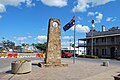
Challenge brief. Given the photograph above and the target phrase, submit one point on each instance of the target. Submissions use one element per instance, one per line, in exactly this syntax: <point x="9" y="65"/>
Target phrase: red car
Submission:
<point x="66" y="55"/>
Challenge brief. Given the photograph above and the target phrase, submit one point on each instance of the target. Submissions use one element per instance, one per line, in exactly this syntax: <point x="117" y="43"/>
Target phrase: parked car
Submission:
<point x="66" y="55"/>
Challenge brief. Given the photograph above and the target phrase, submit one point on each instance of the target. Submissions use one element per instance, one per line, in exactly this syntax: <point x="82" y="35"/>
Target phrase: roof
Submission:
<point x="84" y="39"/>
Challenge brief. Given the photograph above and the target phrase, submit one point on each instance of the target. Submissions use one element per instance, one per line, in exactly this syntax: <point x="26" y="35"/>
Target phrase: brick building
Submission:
<point x="105" y="43"/>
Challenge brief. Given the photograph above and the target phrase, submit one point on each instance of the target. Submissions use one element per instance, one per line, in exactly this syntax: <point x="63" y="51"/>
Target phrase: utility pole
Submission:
<point x="92" y="37"/>
<point x="70" y="45"/>
<point x="74" y="44"/>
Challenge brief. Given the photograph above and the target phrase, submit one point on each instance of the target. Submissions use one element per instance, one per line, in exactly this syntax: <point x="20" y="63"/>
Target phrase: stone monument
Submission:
<point x="53" y="50"/>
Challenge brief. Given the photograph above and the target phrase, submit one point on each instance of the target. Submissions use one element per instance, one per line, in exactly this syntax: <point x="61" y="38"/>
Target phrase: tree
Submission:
<point x="23" y="44"/>
<point x="33" y="44"/>
<point x="41" y="47"/>
<point x="18" y="48"/>
<point x="72" y="45"/>
<point x="8" y="44"/>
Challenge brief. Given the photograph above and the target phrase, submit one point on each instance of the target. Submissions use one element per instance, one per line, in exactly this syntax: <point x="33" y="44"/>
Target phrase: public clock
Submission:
<point x="55" y="24"/>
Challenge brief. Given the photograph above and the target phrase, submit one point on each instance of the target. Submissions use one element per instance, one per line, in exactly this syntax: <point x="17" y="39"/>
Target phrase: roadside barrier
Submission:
<point x="39" y="55"/>
<point x="3" y="55"/>
<point x="22" y="55"/>
<point x="26" y="55"/>
<point x="12" y="55"/>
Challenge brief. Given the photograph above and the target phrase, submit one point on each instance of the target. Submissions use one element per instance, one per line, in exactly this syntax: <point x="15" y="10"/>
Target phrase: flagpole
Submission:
<point x="66" y="27"/>
<point x="74" y="43"/>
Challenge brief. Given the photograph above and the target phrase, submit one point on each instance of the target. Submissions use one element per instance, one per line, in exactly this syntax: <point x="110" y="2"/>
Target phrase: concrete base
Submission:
<point x="20" y="68"/>
<point x="42" y="64"/>
<point x="106" y="63"/>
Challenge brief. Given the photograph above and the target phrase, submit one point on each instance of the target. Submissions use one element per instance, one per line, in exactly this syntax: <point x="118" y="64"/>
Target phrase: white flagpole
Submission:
<point x="74" y="43"/>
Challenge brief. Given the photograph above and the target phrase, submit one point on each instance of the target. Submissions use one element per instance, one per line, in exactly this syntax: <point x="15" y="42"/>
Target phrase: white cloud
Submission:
<point x="11" y="2"/>
<point x="21" y="38"/>
<point x="80" y="18"/>
<point x="14" y="37"/>
<point x="41" y="38"/>
<point x="29" y="3"/>
<point x="22" y="42"/>
<point x="56" y="3"/>
<point x="92" y="13"/>
<point x="0" y="16"/>
<point x="99" y="18"/>
<point x="111" y="19"/>
<point x="68" y="37"/>
<point x="15" y="3"/>
<point x="39" y="41"/>
<point x="2" y="8"/>
<point x="81" y="28"/>
<point x="100" y="2"/>
<point x="83" y="5"/>
<point x="65" y="43"/>
<point x="29" y="36"/>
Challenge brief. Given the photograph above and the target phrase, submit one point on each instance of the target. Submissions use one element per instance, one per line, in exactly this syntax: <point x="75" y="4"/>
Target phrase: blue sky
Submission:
<point x="26" y="21"/>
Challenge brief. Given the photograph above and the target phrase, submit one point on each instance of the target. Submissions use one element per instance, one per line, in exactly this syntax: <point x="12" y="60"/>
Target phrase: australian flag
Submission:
<point x="70" y="24"/>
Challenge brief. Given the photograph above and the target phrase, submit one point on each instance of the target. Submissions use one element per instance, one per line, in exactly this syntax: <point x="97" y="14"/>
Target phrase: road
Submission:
<point x="111" y="61"/>
<point x="6" y="62"/>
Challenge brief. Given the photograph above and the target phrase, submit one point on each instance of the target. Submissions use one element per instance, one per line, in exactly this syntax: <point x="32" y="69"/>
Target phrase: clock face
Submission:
<point x="55" y="24"/>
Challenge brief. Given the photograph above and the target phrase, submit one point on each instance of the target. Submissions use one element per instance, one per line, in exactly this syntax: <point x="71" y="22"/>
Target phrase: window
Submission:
<point x="88" y="41"/>
<point x="103" y="39"/>
<point x="97" y="52"/>
<point x="105" y="51"/>
<point x="88" y="52"/>
<point x="102" y="51"/>
<point x="96" y="40"/>
<point x="112" y="39"/>
<point x="93" y="51"/>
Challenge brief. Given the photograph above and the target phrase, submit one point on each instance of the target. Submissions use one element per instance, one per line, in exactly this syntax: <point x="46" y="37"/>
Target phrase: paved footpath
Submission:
<point x="81" y="70"/>
<point x="108" y="75"/>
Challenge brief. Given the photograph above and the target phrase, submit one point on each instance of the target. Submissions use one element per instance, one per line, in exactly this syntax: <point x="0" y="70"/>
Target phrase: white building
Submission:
<point x="70" y="49"/>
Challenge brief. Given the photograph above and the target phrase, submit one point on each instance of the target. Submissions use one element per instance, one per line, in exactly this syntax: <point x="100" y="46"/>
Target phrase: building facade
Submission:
<point x="105" y="43"/>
